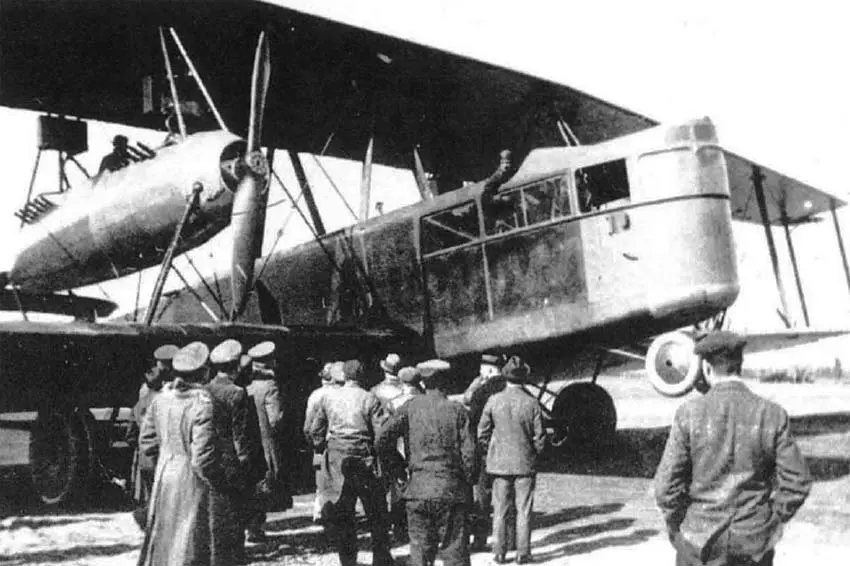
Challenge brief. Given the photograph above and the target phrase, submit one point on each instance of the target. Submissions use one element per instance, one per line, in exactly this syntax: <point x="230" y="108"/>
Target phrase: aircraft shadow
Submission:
<point x="636" y="453"/>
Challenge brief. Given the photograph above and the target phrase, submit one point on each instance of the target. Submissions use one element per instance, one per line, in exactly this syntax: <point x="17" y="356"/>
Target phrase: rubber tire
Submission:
<point x="60" y="455"/>
<point x="666" y="387"/>
<point x="584" y="413"/>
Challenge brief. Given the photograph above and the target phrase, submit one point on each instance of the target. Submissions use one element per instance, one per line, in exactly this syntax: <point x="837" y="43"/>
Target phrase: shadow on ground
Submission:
<point x="635" y="453"/>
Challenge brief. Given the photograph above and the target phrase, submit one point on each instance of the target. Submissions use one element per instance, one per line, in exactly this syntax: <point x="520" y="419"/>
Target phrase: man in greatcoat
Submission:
<point x="511" y="433"/>
<point x="266" y="404"/>
<point x="731" y="474"/>
<point x="345" y="426"/>
<point x="178" y="434"/>
<point x="142" y="468"/>
<point x="441" y="464"/>
<point x="238" y="449"/>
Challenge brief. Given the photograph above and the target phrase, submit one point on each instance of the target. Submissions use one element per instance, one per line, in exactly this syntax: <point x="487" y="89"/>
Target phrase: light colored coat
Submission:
<point x="511" y="432"/>
<point x="178" y="433"/>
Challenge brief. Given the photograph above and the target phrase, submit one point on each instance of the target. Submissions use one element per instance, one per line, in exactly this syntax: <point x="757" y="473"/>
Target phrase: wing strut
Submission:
<point x="307" y="191"/>
<point x="173" y="85"/>
<point x="366" y="181"/>
<point x="757" y="178"/>
<point x="198" y="80"/>
<point x="169" y="255"/>
<point x="832" y="207"/>
<point x="784" y="217"/>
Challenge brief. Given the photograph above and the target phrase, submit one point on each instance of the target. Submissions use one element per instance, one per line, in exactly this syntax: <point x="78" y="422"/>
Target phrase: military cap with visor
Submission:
<point x="191" y="357"/>
<point x="227" y="352"/>
<point x="263" y="351"/>
<point x="165" y="353"/>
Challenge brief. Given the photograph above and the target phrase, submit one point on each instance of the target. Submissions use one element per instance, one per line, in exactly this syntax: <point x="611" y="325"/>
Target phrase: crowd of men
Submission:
<point x="428" y="469"/>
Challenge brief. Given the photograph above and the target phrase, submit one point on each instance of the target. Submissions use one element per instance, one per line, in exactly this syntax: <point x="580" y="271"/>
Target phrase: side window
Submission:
<point x="547" y="200"/>
<point x="453" y="227"/>
<point x="503" y="212"/>
<point x="601" y="184"/>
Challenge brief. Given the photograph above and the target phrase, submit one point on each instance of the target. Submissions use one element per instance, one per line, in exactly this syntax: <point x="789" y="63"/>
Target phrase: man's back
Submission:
<point x="349" y="415"/>
<point x="511" y="427"/>
<point x="230" y="418"/>
<point x="439" y="446"/>
<point x="731" y="466"/>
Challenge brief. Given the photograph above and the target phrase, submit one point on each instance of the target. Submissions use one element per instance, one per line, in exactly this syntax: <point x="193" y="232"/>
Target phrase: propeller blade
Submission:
<point x="248" y="223"/>
<point x="259" y="88"/>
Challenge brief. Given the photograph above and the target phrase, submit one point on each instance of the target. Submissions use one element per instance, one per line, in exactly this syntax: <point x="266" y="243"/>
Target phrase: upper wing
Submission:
<point x="799" y="201"/>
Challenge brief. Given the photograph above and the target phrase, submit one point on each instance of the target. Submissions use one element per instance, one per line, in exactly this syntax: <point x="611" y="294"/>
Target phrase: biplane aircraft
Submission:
<point x="599" y="232"/>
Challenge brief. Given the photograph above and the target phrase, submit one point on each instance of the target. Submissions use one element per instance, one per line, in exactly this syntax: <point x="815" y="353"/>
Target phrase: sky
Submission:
<point x="772" y="76"/>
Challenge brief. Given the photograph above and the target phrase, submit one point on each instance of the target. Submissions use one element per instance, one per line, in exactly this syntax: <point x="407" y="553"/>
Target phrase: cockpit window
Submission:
<point x="544" y="200"/>
<point x="601" y="184"/>
<point x="449" y="228"/>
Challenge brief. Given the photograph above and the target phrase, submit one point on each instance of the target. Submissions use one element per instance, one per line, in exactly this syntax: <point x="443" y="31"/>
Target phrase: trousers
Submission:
<point x="513" y="494"/>
<point x="438" y="525"/>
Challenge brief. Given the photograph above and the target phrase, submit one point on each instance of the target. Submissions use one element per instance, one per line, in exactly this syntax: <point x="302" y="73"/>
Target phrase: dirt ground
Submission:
<point x="592" y="507"/>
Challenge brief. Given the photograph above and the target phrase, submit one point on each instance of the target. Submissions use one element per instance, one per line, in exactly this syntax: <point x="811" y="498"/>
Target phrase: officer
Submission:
<point x="344" y="427"/>
<point x="239" y="451"/>
<point x="488" y="382"/>
<point x="264" y="392"/>
<point x="313" y="402"/>
<point x="390" y="387"/>
<point x="154" y="379"/>
<point x="178" y="433"/>
<point x="511" y="434"/>
<point x="731" y="475"/>
<point x="441" y="463"/>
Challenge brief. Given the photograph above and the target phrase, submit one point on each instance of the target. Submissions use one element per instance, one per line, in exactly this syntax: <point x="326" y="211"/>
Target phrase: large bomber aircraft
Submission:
<point x="554" y="250"/>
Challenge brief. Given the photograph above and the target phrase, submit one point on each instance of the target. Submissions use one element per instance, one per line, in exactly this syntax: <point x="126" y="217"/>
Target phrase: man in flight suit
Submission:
<point x="731" y="475"/>
<point x="313" y="402"/>
<point x="344" y="428"/>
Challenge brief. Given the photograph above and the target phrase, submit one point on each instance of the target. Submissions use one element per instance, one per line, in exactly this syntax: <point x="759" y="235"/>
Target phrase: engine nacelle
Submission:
<point x="671" y="364"/>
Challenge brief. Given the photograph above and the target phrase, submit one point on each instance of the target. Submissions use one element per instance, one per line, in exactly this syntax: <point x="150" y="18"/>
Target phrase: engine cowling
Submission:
<point x="671" y="364"/>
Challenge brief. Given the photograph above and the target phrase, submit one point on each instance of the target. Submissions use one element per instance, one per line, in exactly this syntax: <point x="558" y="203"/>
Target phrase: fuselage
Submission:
<point x="124" y="220"/>
<point x="612" y="243"/>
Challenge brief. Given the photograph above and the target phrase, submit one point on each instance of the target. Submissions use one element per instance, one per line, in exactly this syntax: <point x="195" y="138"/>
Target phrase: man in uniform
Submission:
<point x="441" y="463"/>
<point x="390" y="387"/>
<point x="344" y="428"/>
<point x="488" y="382"/>
<point x="179" y="436"/>
<point x="731" y="475"/>
<point x="511" y="434"/>
<point x="313" y="402"/>
<point x="263" y="391"/>
<point x="238" y="450"/>
<point x="142" y="473"/>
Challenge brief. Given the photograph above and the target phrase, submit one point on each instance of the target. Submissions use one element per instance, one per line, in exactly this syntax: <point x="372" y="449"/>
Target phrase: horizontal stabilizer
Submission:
<point x="770" y="341"/>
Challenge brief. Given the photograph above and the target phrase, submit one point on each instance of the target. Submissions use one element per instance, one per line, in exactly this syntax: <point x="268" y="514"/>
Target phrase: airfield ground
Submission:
<point x="592" y="507"/>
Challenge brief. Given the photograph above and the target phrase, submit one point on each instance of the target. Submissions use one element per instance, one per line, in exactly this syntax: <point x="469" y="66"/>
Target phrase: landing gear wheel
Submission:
<point x="584" y="413"/>
<point x="60" y="453"/>
<point x="671" y="365"/>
